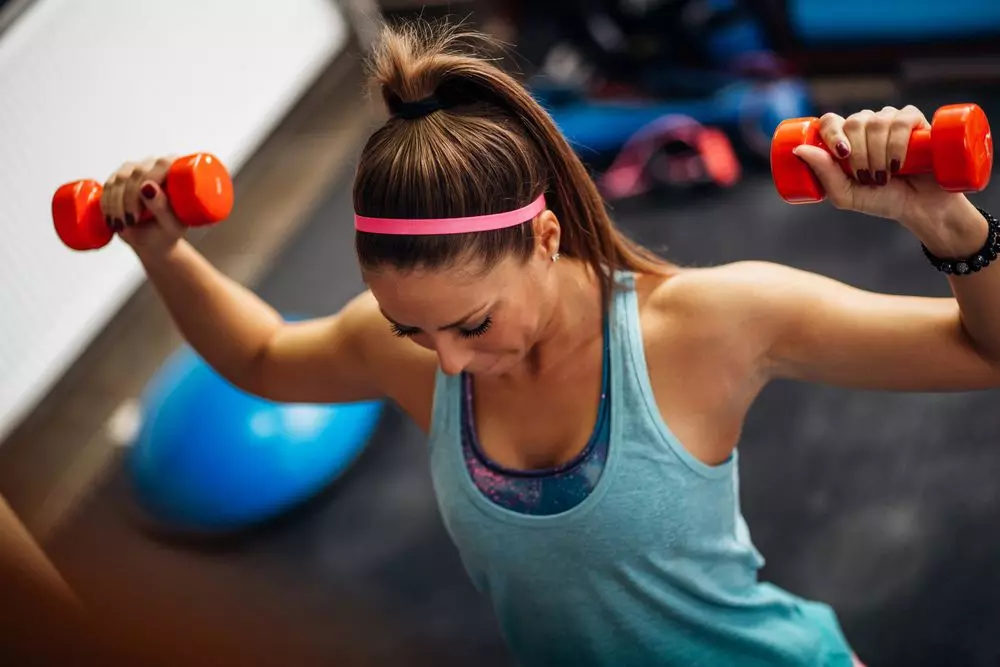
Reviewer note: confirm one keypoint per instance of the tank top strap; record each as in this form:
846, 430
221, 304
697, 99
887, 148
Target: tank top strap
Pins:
446, 410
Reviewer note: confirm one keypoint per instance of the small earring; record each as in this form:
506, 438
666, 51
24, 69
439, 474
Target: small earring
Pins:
555, 257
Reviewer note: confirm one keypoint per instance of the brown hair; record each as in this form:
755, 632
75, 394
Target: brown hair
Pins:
492, 148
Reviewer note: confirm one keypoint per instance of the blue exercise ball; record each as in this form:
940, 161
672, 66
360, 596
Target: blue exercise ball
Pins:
211, 457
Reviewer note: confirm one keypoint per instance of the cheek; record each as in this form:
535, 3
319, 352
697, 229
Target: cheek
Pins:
423, 341
512, 338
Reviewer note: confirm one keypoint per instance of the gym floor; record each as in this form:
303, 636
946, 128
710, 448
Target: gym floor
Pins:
883, 505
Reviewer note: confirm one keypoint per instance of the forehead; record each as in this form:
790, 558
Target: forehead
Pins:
441, 295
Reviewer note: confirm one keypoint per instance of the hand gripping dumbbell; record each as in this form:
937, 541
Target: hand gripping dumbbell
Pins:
198, 187
957, 149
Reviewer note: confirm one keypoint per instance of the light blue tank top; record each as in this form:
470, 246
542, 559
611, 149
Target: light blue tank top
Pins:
654, 567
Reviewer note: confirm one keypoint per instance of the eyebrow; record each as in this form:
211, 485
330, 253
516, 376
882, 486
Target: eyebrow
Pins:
453, 325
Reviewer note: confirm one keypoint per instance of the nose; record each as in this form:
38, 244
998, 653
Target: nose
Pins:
453, 358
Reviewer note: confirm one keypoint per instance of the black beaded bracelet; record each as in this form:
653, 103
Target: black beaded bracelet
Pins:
975, 262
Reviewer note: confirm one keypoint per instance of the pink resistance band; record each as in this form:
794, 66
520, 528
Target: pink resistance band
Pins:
475, 223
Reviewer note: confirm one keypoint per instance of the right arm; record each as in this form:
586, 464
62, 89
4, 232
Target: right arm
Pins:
250, 344
349, 356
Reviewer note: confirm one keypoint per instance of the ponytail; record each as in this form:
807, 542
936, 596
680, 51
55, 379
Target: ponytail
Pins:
491, 148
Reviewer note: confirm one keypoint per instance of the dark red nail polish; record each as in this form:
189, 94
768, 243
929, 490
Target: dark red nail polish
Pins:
129, 219
881, 178
842, 150
894, 166
148, 191
865, 177
109, 222
119, 225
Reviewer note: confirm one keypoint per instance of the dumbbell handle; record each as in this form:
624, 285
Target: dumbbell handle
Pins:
198, 187
957, 149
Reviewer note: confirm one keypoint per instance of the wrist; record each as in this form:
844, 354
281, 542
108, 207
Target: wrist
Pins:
157, 256
976, 260
955, 231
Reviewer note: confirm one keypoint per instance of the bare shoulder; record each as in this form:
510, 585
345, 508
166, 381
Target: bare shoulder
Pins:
402, 369
720, 294
724, 307
723, 287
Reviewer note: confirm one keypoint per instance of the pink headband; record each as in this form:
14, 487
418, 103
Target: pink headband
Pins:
476, 223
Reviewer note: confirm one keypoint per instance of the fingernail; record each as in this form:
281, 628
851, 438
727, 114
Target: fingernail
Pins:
881, 178
109, 222
894, 166
129, 219
148, 191
842, 150
119, 225
865, 177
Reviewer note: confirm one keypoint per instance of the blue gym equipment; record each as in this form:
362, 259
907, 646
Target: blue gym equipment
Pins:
748, 111
212, 458
817, 22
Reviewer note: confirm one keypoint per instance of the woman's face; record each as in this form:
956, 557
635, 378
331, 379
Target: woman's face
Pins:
483, 323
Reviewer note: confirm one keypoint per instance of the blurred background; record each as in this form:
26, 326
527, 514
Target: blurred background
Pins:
161, 493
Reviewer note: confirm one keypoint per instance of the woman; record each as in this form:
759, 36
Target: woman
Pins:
583, 398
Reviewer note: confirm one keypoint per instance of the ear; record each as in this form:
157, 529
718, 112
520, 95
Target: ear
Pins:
548, 233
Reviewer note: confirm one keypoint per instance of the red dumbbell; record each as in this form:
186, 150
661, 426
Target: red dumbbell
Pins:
198, 187
957, 149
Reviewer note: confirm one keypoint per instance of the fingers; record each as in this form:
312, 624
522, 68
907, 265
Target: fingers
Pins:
153, 170
831, 129
131, 203
838, 187
123, 199
877, 132
876, 143
901, 128
156, 202
107, 208
112, 202
855, 129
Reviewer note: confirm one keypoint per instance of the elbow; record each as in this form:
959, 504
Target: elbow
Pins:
252, 375
246, 379
987, 353
251, 383
992, 365
990, 356
253, 378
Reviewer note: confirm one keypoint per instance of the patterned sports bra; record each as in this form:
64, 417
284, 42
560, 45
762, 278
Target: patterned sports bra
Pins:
546, 491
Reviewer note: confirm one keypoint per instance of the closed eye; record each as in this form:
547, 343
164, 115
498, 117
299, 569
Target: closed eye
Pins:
400, 331
477, 331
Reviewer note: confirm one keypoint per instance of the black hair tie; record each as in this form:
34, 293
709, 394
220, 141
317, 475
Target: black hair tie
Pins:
418, 109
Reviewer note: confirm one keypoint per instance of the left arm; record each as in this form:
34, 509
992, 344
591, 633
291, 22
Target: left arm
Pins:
817, 329
827, 331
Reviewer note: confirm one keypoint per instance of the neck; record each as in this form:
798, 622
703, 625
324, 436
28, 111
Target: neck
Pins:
575, 321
